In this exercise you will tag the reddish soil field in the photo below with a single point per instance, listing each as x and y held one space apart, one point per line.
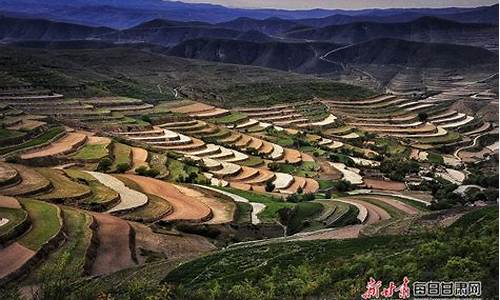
384 185
172 246
292 156
408 209
184 207
114 252
197 107
62 146
222 210
375 213
31 182
307 157
9 202
13 257
7 173
312 186
139 157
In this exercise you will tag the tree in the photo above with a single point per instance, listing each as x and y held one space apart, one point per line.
104 164
142 170
422 116
343 186
146 118
308 197
274 166
269 187
152 173
122 167
300 190
294 198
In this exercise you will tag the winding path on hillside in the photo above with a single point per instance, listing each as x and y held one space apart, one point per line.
129 198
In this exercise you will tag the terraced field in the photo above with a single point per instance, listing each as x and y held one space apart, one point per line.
114 186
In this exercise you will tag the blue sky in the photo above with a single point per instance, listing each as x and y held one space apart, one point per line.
344 4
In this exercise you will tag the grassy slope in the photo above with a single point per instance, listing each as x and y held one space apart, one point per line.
121 154
45 223
468 250
94 151
70 258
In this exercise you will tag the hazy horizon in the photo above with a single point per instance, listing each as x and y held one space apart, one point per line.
344 4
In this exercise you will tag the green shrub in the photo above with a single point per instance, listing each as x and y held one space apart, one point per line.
269 187
397 169
122 167
104 164
141 170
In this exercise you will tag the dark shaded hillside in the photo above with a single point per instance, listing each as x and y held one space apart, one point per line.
426 29
87 44
151 76
487 14
297 57
169 33
158 31
38 29
413 54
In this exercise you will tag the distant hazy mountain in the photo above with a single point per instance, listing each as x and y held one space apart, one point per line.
269 26
487 14
425 29
127 13
38 29
276 26
159 32
412 54
296 57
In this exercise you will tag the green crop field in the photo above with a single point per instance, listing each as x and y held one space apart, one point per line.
68 260
45 222
41 139
91 152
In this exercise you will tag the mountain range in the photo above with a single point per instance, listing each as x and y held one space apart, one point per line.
296 57
312 42
424 29
128 13
387 51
